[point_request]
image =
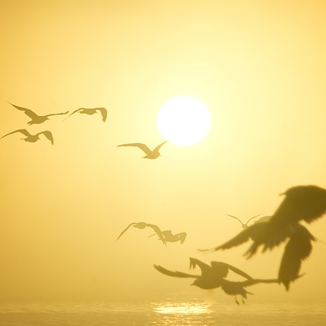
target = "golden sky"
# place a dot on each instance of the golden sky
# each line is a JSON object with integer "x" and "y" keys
{"x": 258, "y": 66}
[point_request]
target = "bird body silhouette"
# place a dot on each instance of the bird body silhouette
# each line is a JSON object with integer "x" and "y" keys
{"x": 307, "y": 203}
{"x": 151, "y": 154}
{"x": 36, "y": 119}
{"x": 33, "y": 138}
{"x": 170, "y": 237}
{"x": 213, "y": 276}
{"x": 143, "y": 225}
{"x": 90, "y": 111}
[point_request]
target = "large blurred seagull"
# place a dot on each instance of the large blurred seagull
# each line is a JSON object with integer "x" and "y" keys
{"x": 307, "y": 203}
{"x": 213, "y": 276}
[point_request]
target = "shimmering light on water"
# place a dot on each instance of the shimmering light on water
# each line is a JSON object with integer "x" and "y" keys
{"x": 162, "y": 312}
{"x": 182, "y": 308}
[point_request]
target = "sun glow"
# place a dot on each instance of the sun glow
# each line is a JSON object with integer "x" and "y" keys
{"x": 183, "y": 121}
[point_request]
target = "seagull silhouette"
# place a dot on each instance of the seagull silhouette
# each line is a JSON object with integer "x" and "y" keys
{"x": 170, "y": 237}
{"x": 32, "y": 138}
{"x": 36, "y": 119}
{"x": 297, "y": 249}
{"x": 152, "y": 154}
{"x": 213, "y": 276}
{"x": 142, "y": 225}
{"x": 307, "y": 203}
{"x": 91, "y": 111}
{"x": 244, "y": 225}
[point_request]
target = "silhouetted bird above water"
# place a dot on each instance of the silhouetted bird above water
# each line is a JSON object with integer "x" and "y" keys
{"x": 306, "y": 203}
{"x": 152, "y": 154}
{"x": 36, "y": 119}
{"x": 32, "y": 138}
{"x": 244, "y": 225}
{"x": 143, "y": 225}
{"x": 213, "y": 276}
{"x": 91, "y": 111}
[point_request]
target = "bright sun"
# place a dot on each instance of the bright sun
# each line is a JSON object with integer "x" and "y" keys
{"x": 183, "y": 121}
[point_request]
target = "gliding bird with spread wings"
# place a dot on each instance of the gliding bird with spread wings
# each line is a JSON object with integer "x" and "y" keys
{"x": 142, "y": 225}
{"x": 213, "y": 276}
{"x": 307, "y": 203}
{"x": 36, "y": 119}
{"x": 90, "y": 111}
{"x": 152, "y": 154}
{"x": 243, "y": 225}
{"x": 33, "y": 138}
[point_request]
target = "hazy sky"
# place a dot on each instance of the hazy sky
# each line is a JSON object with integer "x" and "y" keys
{"x": 259, "y": 67}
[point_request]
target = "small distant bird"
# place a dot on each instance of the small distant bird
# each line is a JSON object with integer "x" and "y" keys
{"x": 243, "y": 225}
{"x": 32, "y": 138}
{"x": 152, "y": 154}
{"x": 213, "y": 276}
{"x": 142, "y": 225}
{"x": 91, "y": 111}
{"x": 36, "y": 119}
{"x": 307, "y": 203}
{"x": 170, "y": 237}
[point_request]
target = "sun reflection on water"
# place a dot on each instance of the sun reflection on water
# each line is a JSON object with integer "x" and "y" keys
{"x": 183, "y": 308}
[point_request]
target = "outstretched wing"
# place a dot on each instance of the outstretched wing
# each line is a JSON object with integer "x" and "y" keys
{"x": 205, "y": 268}
{"x": 236, "y": 270}
{"x": 242, "y": 237}
{"x": 306, "y": 203}
{"x": 157, "y": 148}
{"x": 23, "y": 131}
{"x": 174, "y": 273}
{"x": 235, "y": 218}
{"x": 104, "y": 113}
{"x": 125, "y": 230}
{"x": 251, "y": 219}
{"x": 72, "y": 113}
{"x": 28, "y": 112}
{"x": 182, "y": 236}
{"x": 254, "y": 281}
{"x": 62, "y": 113}
{"x": 296, "y": 250}
{"x": 157, "y": 231}
{"x": 143, "y": 147}
{"x": 48, "y": 135}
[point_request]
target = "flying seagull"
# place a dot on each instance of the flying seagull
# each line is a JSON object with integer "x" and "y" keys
{"x": 244, "y": 225}
{"x": 36, "y": 119}
{"x": 152, "y": 154}
{"x": 297, "y": 249}
{"x": 91, "y": 111}
{"x": 32, "y": 138}
{"x": 142, "y": 225}
{"x": 213, "y": 276}
{"x": 170, "y": 237}
{"x": 307, "y": 203}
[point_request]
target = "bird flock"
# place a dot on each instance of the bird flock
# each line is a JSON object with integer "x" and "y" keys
{"x": 301, "y": 203}
{"x": 38, "y": 119}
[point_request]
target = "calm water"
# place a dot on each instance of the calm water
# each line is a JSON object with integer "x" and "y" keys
{"x": 161, "y": 313}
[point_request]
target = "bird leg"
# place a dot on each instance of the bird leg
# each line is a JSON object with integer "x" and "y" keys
{"x": 236, "y": 300}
